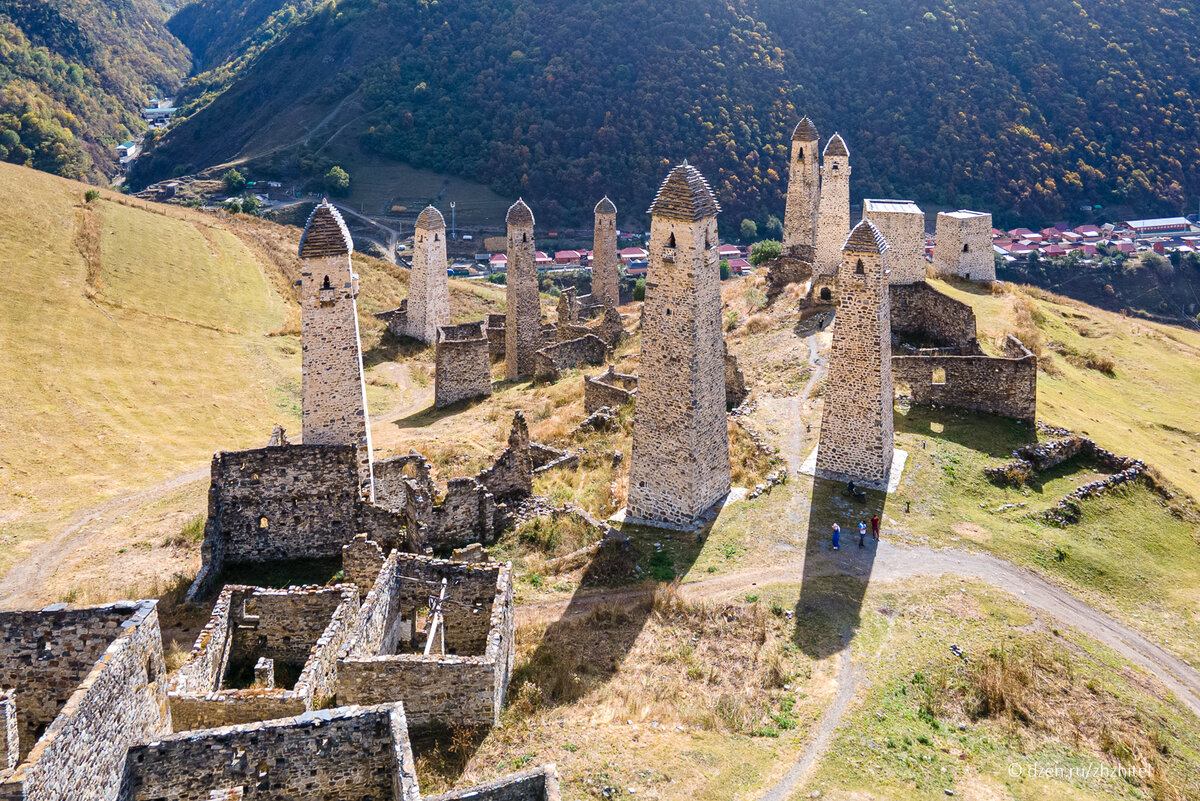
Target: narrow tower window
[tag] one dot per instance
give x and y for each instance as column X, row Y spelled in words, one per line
column 859, row 269
column 671, row 241
column 326, row 285
column 966, row 248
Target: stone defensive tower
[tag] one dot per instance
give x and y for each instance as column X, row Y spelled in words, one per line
column 856, row 425
column 833, row 220
column 680, row 462
column 334, row 399
column 428, row 287
column 523, row 313
column 803, row 194
column 606, row 277
column 963, row 245
column 902, row 224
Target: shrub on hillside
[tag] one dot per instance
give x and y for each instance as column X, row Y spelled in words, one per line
column 765, row 251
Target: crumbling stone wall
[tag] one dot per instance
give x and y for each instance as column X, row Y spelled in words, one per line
column 302, row 627
column 1006, row 385
column 606, row 263
column 346, row 754
column 428, row 287
column 803, row 194
column 539, row 784
column 856, row 441
column 396, row 320
column 920, row 310
column 334, row 402
column 465, row 514
column 785, row 270
column 463, row 364
column 735, row 382
column 963, row 245
column 467, row 685
column 833, row 221
column 679, row 466
column 523, row 306
column 610, row 388
column 389, row 479
column 89, row 684
column 511, row 474
column 609, row 328
column 568, row 355
column 824, row 291
column 902, row 224
column 496, row 336
column 290, row 502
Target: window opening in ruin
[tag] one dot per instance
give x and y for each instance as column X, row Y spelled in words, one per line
column 671, row 241
column 263, row 522
column 437, row 238
column 799, row 155
column 151, row 671
column 326, row 285
column 939, row 375
column 966, row 248
column 44, row 645
column 668, row 312
column 835, row 166
column 858, row 268
column 826, row 294
column 524, row 237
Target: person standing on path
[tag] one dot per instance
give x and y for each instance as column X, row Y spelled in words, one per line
column 837, row 536
column 875, row 527
column 862, row 533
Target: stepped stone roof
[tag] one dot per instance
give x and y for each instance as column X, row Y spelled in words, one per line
column 605, row 206
column 520, row 214
column 325, row 234
column 685, row 195
column 431, row 220
column 866, row 238
column 805, row 131
column 836, row 146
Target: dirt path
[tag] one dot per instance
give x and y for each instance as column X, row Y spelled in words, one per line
column 36, row 569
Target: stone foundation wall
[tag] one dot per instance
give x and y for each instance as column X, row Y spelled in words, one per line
column 920, row 310
column 1006, row 386
column 347, row 754
column 495, row 335
column 463, row 364
column 98, row 674
column 610, row 389
column 465, row 514
column 396, row 320
column 551, row 361
column 540, row 784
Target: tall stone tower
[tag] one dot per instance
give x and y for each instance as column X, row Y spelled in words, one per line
column 902, row 223
column 962, row 245
column 680, row 462
column 856, row 424
column 428, row 288
column 334, row 407
column 523, row 315
column 606, row 278
column 803, row 194
column 833, row 222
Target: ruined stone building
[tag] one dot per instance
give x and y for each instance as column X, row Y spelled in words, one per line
column 428, row 287
column 963, row 245
column 523, row 312
column 902, row 224
column 856, row 439
column 462, row 364
column 680, row 460
column 803, row 193
column 81, row 687
column 334, row 398
column 833, row 221
column 606, row 274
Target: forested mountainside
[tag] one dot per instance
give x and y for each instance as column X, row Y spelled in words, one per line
column 73, row 76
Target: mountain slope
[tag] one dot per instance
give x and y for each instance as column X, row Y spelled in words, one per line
column 1029, row 107
column 74, row 76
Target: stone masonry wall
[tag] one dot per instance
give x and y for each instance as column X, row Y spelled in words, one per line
column 464, row 515
column 523, row 306
column 102, row 671
column 920, row 310
column 856, row 439
column 903, row 226
column 496, row 335
column 347, row 754
column 833, row 222
column 606, row 272
column 963, row 245
column 334, row 401
column 468, row 684
column 463, row 364
column 610, row 389
column 540, row 784
column 551, row 361
column 1006, row 386
column 511, row 474
column 679, row 465
column 428, row 286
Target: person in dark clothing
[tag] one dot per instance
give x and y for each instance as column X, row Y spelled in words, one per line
column 875, row 527
column 837, row 536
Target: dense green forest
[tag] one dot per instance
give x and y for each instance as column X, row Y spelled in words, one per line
column 73, row 76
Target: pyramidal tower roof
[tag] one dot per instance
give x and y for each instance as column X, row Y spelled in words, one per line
column 430, row 219
column 520, row 214
column 685, row 195
column 606, row 206
column 805, row 131
column 836, row 146
column 866, row 238
column 325, row 234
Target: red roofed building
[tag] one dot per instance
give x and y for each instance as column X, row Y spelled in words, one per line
column 628, row 254
column 566, row 257
column 739, row 266
column 541, row 259
column 729, row 252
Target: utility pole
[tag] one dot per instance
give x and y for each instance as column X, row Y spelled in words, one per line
column 453, row 234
